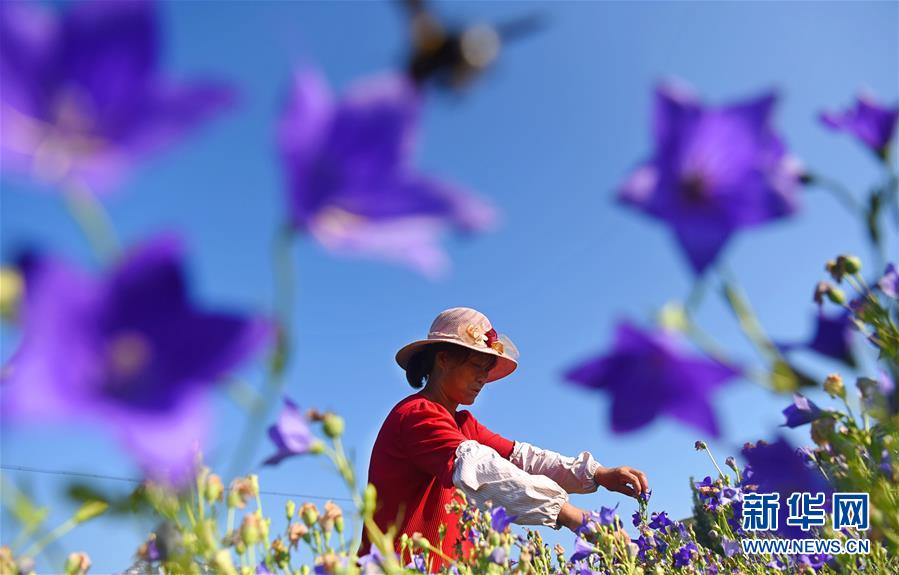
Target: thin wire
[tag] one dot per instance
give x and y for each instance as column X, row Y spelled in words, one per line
column 130, row 480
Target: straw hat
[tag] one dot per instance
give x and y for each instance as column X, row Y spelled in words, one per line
column 469, row 328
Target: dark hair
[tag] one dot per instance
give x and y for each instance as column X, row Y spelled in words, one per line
column 420, row 365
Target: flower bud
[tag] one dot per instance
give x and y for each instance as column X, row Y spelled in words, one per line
column 559, row 549
column 822, row 430
column 316, row 447
column 254, row 484
column 221, row 563
column 241, row 491
column 12, row 288
column 290, row 508
column 494, row 538
column 297, row 531
column 834, row 387
column 214, row 488
column 852, row 264
column 700, row 445
column 369, row 499
column 732, row 463
column 836, row 295
column 333, row 425
column 309, row 514
column 304, row 570
column 77, row 564
column 249, row 530
column 419, row 541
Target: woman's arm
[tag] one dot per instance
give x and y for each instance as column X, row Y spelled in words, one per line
column 574, row 474
column 483, row 475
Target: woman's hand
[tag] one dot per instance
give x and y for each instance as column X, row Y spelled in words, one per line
column 625, row 480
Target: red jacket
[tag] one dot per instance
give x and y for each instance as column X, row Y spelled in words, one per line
column 412, row 469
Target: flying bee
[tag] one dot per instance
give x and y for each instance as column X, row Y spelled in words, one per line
column 453, row 57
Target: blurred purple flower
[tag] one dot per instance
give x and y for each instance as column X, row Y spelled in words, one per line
column 730, row 547
column 582, row 549
column 886, row 464
column 648, row 375
column 606, row 515
column 262, row 569
column 128, row 349
column 499, row 520
column 418, row 564
column 83, row 98
column 889, row 282
column 684, row 555
column 869, row 121
column 714, row 171
column 832, row 338
column 802, row 411
column 291, row 435
column 816, row 561
column 498, row 556
column 777, row 468
column 351, row 182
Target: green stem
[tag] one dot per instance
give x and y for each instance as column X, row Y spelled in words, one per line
column 281, row 355
column 58, row 532
column 91, row 217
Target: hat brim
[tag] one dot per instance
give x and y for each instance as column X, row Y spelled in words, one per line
column 504, row 364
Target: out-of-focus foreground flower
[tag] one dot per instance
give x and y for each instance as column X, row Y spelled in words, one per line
column 83, row 97
column 127, row 349
column 648, row 375
column 351, row 182
column 714, row 172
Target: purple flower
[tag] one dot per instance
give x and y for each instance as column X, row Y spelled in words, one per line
column 648, row 375
column 351, row 182
column 606, row 515
column 660, row 521
column 582, row 549
column 498, row 556
column 869, row 121
column 499, row 520
column 262, row 569
column 684, row 555
column 815, row 561
column 83, row 97
column 644, row 544
column 832, row 338
column 127, row 349
column 889, row 282
column 714, row 171
column 886, row 464
column 636, row 519
column 290, row 434
column 730, row 547
column 418, row 564
column 802, row 411
column 777, row 468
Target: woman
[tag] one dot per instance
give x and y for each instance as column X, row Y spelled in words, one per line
column 427, row 448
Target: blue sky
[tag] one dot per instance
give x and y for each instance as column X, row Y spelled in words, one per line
column 546, row 136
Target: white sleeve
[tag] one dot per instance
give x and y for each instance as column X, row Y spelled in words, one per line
column 574, row 474
column 483, row 474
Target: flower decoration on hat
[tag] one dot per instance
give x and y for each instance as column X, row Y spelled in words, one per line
column 494, row 342
column 473, row 335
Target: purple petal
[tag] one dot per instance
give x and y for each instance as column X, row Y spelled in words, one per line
column 889, row 282
column 872, row 123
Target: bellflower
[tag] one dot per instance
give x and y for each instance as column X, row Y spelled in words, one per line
column 648, row 375
column 832, row 338
column 684, row 556
column 606, row 515
column 291, row 435
column 802, row 411
column 714, row 172
column 499, row 520
column 660, row 521
column 498, row 556
column 582, row 549
column 350, row 175
column 889, row 282
column 777, row 468
column 83, row 95
column 127, row 349
column 872, row 123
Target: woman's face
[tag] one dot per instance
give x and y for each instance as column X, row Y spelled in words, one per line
column 463, row 377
